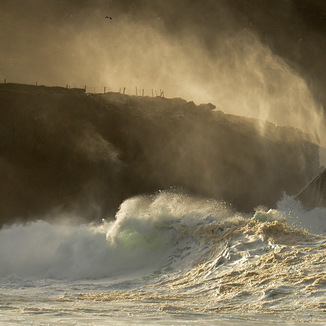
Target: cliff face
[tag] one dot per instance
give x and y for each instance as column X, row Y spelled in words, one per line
column 63, row 150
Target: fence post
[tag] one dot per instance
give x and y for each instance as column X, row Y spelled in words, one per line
column 136, row 91
column 5, row 81
column 85, row 88
column 104, row 89
column 124, row 90
column 142, row 92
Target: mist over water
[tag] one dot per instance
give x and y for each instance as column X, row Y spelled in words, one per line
column 209, row 52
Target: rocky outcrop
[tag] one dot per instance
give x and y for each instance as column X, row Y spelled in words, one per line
column 314, row 193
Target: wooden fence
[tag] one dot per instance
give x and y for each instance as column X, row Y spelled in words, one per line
column 104, row 89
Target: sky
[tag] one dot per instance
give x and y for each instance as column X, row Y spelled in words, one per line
column 256, row 58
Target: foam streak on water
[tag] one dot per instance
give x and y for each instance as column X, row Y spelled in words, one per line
column 168, row 259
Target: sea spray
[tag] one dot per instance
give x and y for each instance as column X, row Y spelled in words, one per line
column 312, row 220
column 166, row 231
column 146, row 232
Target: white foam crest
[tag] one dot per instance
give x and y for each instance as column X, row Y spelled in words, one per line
column 291, row 212
column 314, row 221
column 145, row 213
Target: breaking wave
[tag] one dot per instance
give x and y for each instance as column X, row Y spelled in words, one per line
column 165, row 232
column 171, row 253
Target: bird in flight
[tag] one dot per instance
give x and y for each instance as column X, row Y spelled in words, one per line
column 108, row 17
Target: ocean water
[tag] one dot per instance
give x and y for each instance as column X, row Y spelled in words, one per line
column 168, row 259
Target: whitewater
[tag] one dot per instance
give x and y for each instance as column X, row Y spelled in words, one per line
column 168, row 259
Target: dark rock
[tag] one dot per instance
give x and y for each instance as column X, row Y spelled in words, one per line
column 314, row 193
column 65, row 151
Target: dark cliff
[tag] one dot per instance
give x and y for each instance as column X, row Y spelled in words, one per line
column 66, row 151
